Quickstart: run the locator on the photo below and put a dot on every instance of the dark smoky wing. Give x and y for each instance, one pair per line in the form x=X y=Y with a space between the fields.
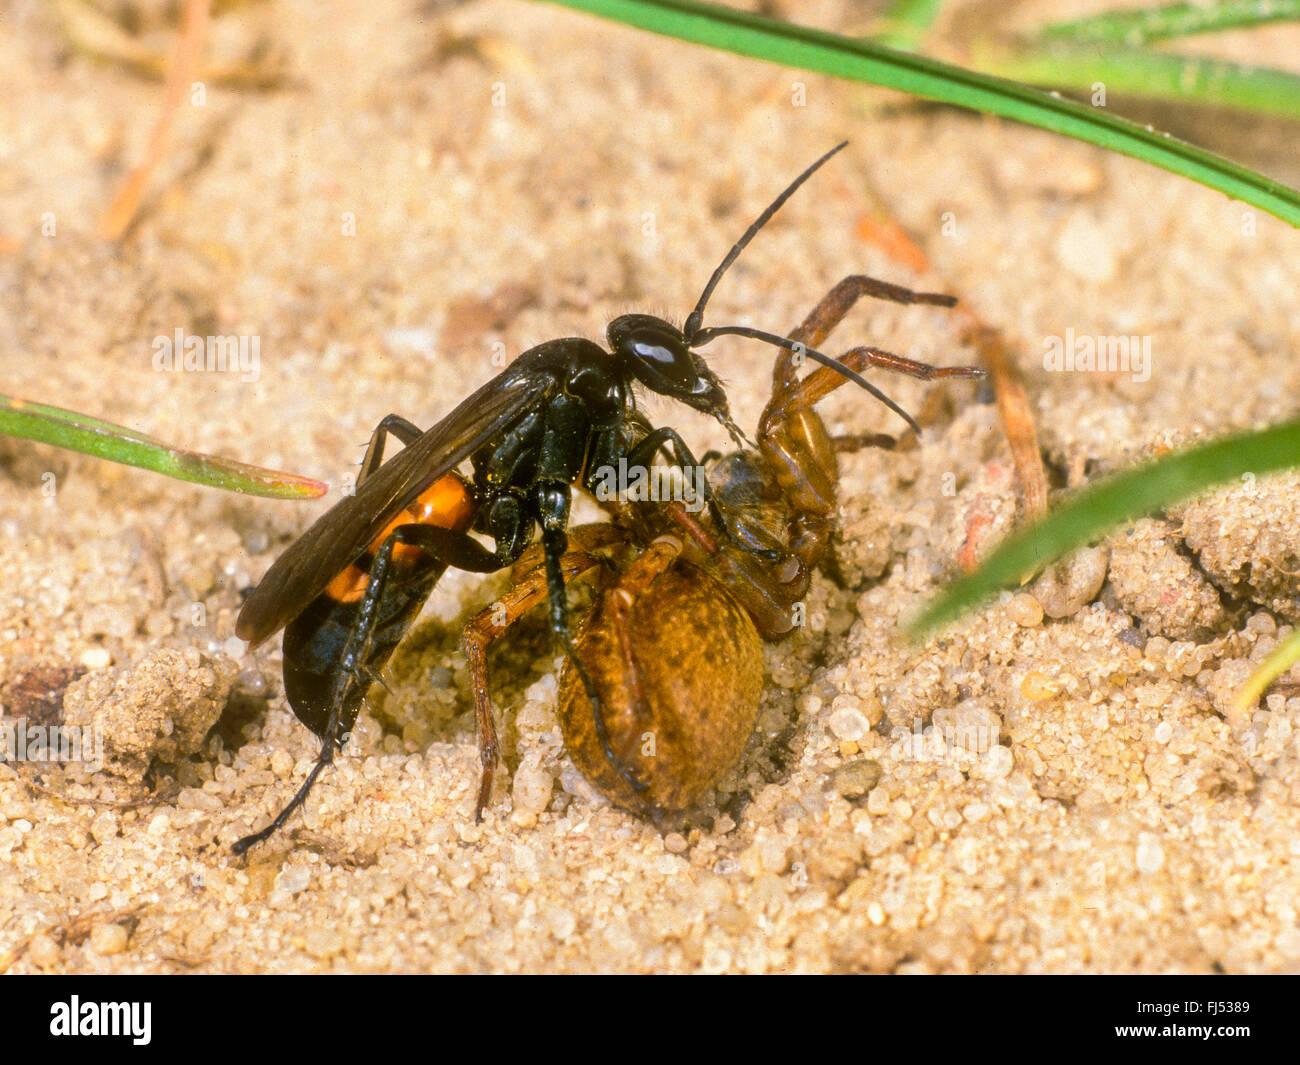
x=345 y=531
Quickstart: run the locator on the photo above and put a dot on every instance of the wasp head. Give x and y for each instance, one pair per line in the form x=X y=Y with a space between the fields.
x=655 y=353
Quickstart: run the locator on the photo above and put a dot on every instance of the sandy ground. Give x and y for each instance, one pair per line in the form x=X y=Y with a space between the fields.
x=437 y=185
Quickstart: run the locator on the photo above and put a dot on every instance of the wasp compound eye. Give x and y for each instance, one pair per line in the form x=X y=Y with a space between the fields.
x=656 y=353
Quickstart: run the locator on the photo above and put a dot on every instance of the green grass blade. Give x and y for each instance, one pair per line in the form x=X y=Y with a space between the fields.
x=1134 y=28
x=1159 y=75
x=92 y=436
x=1110 y=503
x=1284 y=656
x=826 y=53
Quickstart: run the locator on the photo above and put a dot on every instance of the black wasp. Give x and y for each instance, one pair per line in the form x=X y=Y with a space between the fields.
x=346 y=591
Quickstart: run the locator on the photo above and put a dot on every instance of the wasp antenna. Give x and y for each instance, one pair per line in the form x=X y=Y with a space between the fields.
x=696 y=316
x=706 y=335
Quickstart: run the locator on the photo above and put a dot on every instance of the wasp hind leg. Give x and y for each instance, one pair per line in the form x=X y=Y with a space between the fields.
x=325 y=758
x=445 y=546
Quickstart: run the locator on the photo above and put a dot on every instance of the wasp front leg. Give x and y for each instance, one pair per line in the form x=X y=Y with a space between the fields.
x=735 y=533
x=367 y=613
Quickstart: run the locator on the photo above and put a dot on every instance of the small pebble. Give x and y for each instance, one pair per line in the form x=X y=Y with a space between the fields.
x=108 y=939
x=44 y=951
x=95 y=658
x=1150 y=855
x=322 y=943
x=1085 y=249
x=409 y=340
x=847 y=721
x=856 y=778
x=1262 y=624
x=281 y=763
x=998 y=763
x=531 y=789
x=562 y=922
x=293 y=878
x=1025 y=611
x=1067 y=586
x=1038 y=686
x=1156 y=649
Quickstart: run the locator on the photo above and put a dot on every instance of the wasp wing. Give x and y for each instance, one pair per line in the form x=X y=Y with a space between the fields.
x=344 y=531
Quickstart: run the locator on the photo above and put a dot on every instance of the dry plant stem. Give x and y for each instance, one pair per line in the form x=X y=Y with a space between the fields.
x=877 y=225
x=185 y=59
x=1017 y=419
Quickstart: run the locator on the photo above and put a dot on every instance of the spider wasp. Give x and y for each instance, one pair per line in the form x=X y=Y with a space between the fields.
x=672 y=642
x=346 y=591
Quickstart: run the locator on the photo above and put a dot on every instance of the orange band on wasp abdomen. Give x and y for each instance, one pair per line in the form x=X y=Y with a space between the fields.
x=446 y=503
